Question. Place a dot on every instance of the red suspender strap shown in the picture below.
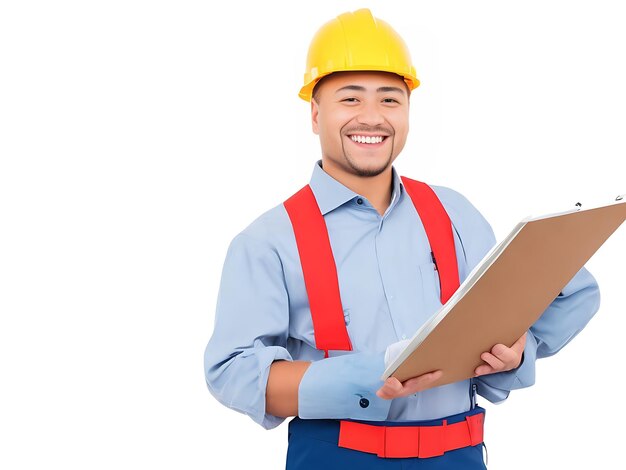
(319, 270)
(439, 231)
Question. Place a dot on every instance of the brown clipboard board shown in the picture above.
(507, 292)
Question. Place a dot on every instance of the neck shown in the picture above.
(376, 189)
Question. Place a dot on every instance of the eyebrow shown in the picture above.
(382, 89)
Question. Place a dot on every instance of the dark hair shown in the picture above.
(316, 89)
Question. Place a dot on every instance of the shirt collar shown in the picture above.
(330, 193)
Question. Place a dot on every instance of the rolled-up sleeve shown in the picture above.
(251, 328)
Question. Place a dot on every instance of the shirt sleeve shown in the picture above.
(251, 328)
(564, 318)
(344, 387)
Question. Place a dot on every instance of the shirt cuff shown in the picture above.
(496, 387)
(344, 387)
(266, 420)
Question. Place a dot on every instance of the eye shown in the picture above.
(390, 101)
(350, 100)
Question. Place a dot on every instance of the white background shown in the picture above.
(137, 138)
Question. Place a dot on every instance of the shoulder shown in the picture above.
(458, 207)
(270, 224)
(472, 227)
(456, 204)
(270, 231)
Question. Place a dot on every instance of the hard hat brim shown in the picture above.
(306, 92)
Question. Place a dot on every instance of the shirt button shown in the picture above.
(359, 201)
(364, 402)
(403, 336)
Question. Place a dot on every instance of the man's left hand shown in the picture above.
(502, 358)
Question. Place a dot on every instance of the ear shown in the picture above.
(315, 110)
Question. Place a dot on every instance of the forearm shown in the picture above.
(563, 319)
(281, 394)
(568, 314)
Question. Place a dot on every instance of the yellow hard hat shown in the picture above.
(356, 41)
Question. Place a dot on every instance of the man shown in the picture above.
(315, 290)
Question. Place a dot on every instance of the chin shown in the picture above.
(369, 168)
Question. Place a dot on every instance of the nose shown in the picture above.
(370, 114)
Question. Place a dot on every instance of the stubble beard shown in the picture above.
(352, 167)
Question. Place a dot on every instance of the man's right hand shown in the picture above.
(393, 388)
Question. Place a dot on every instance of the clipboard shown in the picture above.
(507, 291)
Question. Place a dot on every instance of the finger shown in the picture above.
(390, 389)
(520, 344)
(492, 360)
(421, 383)
(484, 369)
(511, 356)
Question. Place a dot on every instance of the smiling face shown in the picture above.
(362, 119)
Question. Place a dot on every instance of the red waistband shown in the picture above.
(411, 441)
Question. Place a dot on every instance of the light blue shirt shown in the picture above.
(388, 286)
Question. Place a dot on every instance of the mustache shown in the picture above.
(372, 130)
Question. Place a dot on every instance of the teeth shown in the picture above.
(366, 139)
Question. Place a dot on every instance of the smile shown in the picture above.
(368, 139)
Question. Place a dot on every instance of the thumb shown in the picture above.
(520, 344)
